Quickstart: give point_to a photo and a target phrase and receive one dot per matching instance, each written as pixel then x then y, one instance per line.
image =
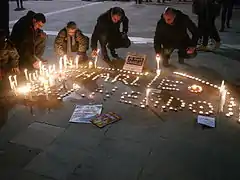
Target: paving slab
pixel 13 158
pixel 38 135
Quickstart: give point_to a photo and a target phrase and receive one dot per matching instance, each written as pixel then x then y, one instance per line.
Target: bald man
pixel 172 33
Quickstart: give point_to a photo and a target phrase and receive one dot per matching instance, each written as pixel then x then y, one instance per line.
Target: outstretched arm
pixel 58 43
pixel 194 31
pixel 157 38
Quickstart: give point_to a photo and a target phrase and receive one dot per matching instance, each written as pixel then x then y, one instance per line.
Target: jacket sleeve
pixel 157 38
pixel 13 56
pixel 125 24
pixel 193 29
pixel 83 41
pixel 29 42
pixel 98 30
pixel 58 43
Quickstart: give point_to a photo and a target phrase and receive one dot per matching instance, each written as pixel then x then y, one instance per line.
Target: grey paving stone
pixel 13 158
pixel 38 135
pixel 57 161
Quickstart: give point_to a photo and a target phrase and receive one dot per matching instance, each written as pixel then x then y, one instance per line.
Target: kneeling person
pixel 107 32
pixel 29 39
pixel 171 33
pixel 70 39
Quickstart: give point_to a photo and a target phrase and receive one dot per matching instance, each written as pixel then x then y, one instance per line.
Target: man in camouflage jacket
pixel 70 39
pixel 9 58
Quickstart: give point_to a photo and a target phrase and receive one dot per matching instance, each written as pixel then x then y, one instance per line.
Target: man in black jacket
pixel 171 33
pixel 107 32
pixel 29 39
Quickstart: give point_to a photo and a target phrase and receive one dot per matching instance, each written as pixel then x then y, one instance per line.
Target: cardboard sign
pixel 207 121
pixel 135 62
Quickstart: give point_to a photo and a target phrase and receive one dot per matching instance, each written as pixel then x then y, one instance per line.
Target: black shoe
pixel 221 30
pixel 228 25
pixel 114 54
pixel 17 9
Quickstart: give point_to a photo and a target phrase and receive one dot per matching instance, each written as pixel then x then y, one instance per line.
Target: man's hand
pixel 94 53
pixel 191 50
pixel 16 70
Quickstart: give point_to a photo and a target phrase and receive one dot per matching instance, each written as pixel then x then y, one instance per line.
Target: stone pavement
pixel 46 146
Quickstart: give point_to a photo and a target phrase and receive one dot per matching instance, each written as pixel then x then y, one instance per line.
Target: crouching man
pixel 29 39
pixel 171 33
pixel 107 32
pixel 71 40
pixel 9 58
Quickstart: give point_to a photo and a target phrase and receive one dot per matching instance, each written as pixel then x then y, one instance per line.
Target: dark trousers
pixel 113 42
pixel 19 3
pixel 208 28
pixel 227 9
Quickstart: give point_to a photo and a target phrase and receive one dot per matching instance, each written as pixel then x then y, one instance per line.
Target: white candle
pixel 65 61
pixel 158 64
pixel 60 64
pixel 50 69
pixel 54 68
pixel 76 61
pixel 90 64
pixel 96 59
pixel 34 77
pixel 10 82
pixel 26 74
pixel 15 80
pixel 40 67
pixel 147 96
pixel 30 77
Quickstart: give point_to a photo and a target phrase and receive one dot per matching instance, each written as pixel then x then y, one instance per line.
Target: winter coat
pixel 106 27
pixel 24 36
pixel 9 57
pixel 61 42
pixel 210 8
pixel 176 35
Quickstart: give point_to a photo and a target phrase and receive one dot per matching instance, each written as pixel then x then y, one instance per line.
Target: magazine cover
pixel 84 113
pixel 105 119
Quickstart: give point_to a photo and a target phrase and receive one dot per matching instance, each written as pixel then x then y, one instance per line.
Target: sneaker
pixel 221 30
pixel 203 48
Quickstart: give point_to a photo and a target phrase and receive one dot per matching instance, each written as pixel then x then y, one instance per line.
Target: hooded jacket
pixel 107 27
pixel 176 35
pixel 60 43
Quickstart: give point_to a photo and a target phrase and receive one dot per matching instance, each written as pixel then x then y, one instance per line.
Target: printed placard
pixel 206 120
pixel 135 62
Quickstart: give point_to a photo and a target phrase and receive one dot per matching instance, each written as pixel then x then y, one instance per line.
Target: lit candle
pixel 147 96
pixel 36 72
pixel 158 64
pixel 26 74
pixel 10 82
pixel 90 64
pixel 54 68
pixel 15 80
pixel 40 67
pixel 76 61
pixel 65 61
pixel 50 69
pixel 96 59
pixel 60 64
pixel 30 77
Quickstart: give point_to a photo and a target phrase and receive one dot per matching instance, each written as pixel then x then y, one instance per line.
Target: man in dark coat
pixel 171 33
pixel 107 32
pixel 71 39
pixel 207 11
pixel 29 39
pixel 9 58
pixel 227 9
